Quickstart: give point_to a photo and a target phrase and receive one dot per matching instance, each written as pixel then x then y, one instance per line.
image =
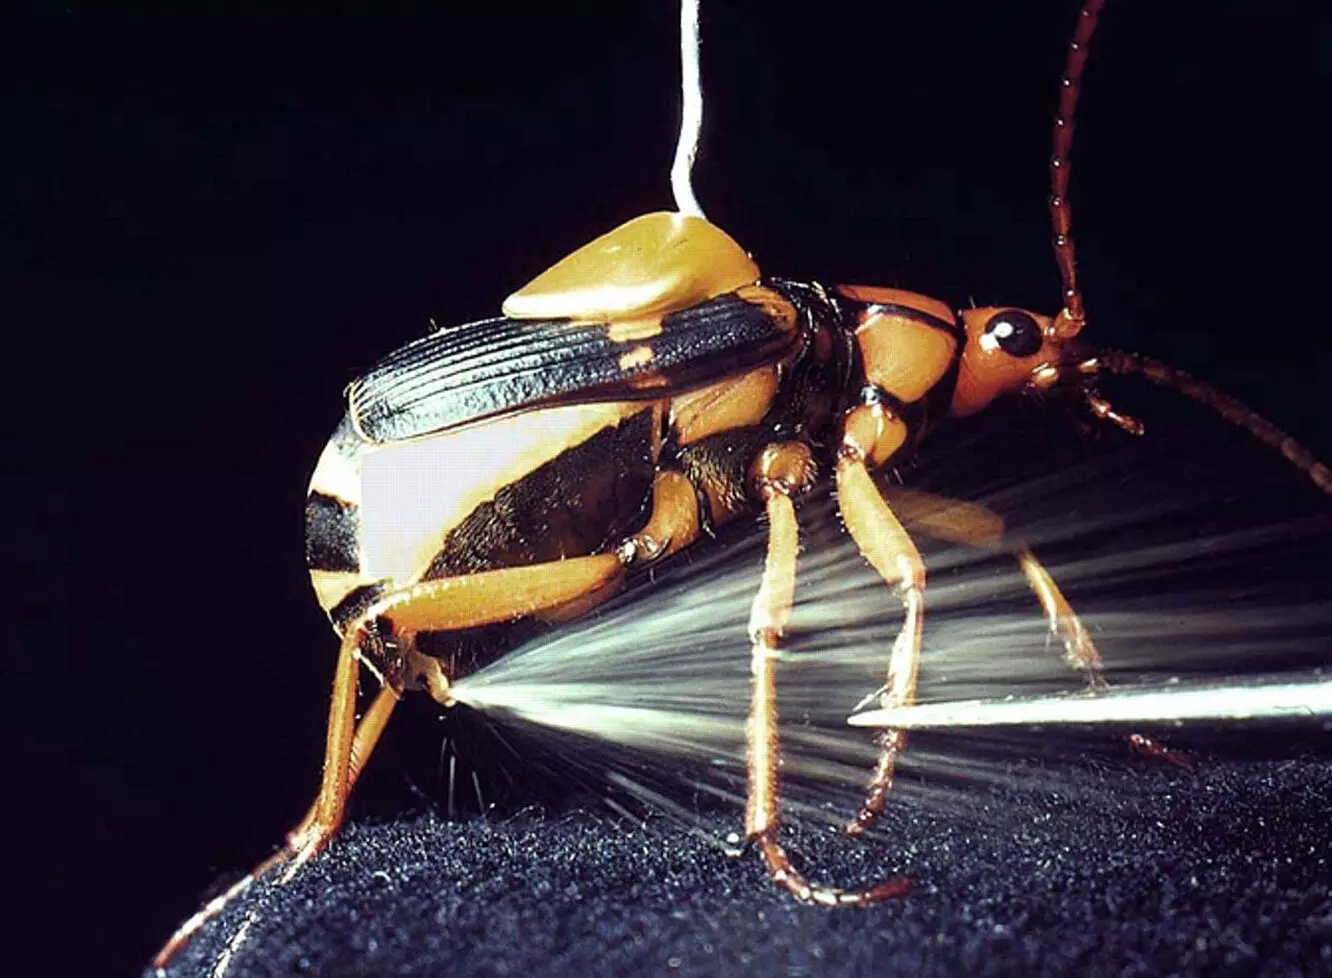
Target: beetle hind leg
pixel 349 746
pixel 782 470
pixel 442 604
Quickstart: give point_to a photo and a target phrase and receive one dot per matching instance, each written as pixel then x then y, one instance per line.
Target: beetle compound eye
pixel 1013 331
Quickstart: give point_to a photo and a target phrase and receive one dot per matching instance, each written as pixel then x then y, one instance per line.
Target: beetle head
pixel 1006 350
pixel 1010 350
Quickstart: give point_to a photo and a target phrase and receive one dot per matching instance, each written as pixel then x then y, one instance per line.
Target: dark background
pixel 213 217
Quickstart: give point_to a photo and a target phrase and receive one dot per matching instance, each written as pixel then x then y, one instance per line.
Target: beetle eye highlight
pixel 1013 331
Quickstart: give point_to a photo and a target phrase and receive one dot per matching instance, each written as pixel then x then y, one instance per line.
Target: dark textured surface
pixel 1125 869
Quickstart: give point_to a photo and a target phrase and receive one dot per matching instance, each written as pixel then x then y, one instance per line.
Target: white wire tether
pixel 691 116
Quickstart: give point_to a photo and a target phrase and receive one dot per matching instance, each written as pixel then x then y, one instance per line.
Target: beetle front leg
pixel 1080 651
pixel 974 525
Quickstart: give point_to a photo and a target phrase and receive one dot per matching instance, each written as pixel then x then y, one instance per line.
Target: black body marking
pixel 953 327
pixel 939 400
pixel 332 534
pixel 586 498
pixel 719 467
pixel 350 608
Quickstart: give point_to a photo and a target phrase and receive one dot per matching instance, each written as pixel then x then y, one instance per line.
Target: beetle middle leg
pixel 884 542
pixel 780 471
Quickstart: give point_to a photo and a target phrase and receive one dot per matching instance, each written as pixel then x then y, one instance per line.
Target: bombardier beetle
pixel 647 389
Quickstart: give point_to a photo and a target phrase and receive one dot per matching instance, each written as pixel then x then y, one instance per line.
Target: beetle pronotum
pixel 648 387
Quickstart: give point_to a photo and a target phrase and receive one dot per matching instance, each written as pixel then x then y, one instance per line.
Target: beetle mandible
pixel 647 389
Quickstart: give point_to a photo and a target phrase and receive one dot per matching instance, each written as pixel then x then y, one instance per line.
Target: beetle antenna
pixel 691 115
pixel 1068 323
pixel 1238 414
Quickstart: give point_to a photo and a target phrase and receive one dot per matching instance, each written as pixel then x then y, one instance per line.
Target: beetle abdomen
pixel 541 486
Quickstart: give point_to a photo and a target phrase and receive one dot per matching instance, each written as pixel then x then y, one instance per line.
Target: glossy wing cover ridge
pixel 500 366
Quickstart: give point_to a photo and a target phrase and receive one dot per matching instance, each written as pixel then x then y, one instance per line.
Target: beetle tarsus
pixel 1148 747
pixel 870 700
pixel 786 875
pixel 891 744
pixel 186 931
